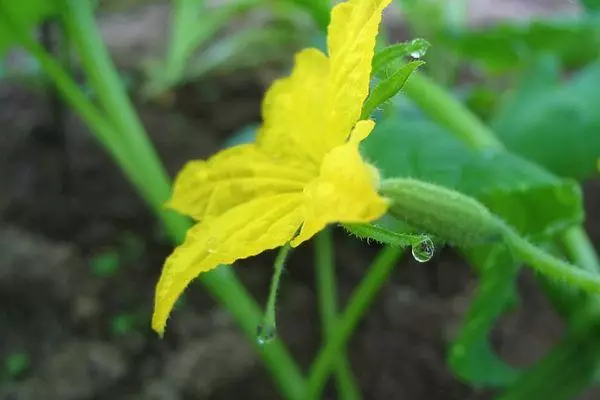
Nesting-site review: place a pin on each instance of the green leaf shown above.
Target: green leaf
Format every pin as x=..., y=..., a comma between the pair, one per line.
x=557, y=126
x=520, y=192
x=16, y=364
x=511, y=46
x=416, y=48
x=317, y=9
x=526, y=196
x=590, y=5
x=566, y=371
x=125, y=323
x=26, y=13
x=388, y=88
x=193, y=26
x=240, y=51
x=105, y=264
x=471, y=356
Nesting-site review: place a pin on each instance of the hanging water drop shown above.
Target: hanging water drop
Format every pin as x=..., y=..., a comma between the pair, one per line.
x=423, y=250
x=265, y=334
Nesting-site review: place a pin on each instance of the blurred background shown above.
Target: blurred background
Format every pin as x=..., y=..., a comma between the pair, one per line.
x=80, y=252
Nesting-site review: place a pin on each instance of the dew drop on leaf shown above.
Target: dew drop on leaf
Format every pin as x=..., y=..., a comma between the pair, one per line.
x=423, y=250
x=265, y=334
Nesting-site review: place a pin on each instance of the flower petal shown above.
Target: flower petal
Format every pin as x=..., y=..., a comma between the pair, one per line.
x=292, y=111
x=351, y=43
x=246, y=230
x=345, y=191
x=206, y=189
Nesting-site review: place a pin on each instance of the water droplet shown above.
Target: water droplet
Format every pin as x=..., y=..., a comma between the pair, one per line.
x=423, y=251
x=421, y=46
x=211, y=245
x=265, y=334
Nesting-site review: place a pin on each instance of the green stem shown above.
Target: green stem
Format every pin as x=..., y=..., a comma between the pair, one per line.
x=103, y=129
x=344, y=327
x=580, y=250
x=185, y=14
x=268, y=327
x=127, y=143
x=327, y=290
x=550, y=266
x=444, y=109
x=80, y=24
x=231, y=294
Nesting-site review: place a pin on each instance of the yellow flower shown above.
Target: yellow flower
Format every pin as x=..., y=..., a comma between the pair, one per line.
x=304, y=171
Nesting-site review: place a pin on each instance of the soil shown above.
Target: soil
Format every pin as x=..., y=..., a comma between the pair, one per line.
x=80, y=254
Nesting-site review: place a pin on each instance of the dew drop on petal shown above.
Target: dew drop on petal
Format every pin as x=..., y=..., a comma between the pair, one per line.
x=211, y=245
x=265, y=334
x=423, y=250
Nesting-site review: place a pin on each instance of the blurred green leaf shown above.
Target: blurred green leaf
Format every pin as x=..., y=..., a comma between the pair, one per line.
x=193, y=26
x=471, y=356
x=416, y=48
x=246, y=134
x=424, y=16
x=317, y=9
x=529, y=198
x=131, y=246
x=125, y=323
x=27, y=13
x=566, y=371
x=481, y=99
x=590, y=5
x=16, y=363
x=241, y=51
x=388, y=87
x=525, y=195
x=557, y=126
x=105, y=264
x=511, y=46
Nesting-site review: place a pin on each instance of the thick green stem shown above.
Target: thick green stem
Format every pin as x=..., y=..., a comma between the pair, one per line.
x=444, y=109
x=344, y=327
x=580, y=250
x=125, y=139
x=551, y=266
x=327, y=289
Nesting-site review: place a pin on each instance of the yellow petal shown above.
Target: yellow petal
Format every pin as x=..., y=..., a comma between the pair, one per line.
x=351, y=42
x=246, y=230
x=345, y=191
x=292, y=111
x=206, y=189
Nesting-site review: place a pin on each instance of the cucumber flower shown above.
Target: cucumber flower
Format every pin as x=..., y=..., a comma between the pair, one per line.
x=304, y=171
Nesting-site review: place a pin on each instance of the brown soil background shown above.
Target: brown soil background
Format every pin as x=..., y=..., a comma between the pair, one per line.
x=54, y=308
